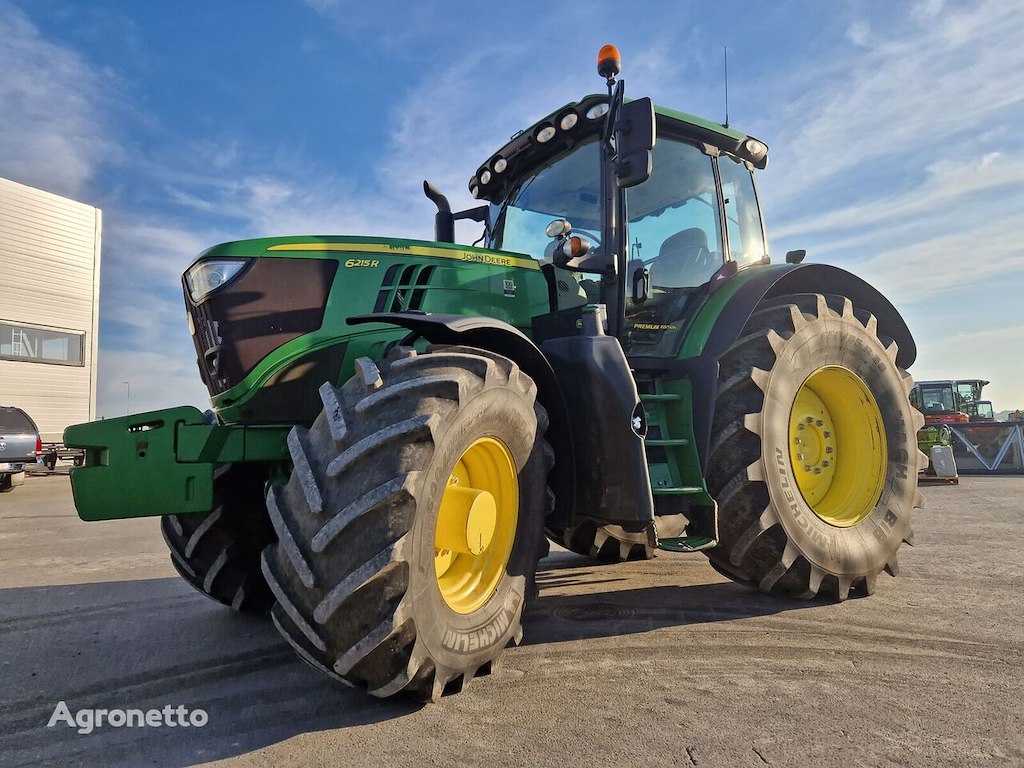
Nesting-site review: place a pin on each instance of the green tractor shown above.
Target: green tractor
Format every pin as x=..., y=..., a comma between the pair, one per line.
x=399, y=425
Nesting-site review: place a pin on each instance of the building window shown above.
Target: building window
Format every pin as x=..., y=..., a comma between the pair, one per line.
x=41, y=345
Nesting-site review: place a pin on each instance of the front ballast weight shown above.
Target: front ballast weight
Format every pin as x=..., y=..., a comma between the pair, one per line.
x=162, y=462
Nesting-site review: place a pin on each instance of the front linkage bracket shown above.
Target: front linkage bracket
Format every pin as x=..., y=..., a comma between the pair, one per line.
x=161, y=462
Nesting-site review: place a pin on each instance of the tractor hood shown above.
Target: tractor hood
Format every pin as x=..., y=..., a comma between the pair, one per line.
x=263, y=312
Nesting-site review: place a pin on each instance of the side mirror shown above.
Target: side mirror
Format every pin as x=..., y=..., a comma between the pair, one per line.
x=641, y=285
x=566, y=250
x=634, y=140
x=795, y=257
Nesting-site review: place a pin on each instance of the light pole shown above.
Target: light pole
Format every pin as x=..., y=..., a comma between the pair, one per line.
x=128, y=398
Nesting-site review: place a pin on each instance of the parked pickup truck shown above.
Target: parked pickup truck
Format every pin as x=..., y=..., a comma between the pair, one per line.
x=19, y=445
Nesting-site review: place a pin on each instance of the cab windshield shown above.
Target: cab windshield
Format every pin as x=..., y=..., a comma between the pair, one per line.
x=674, y=219
x=569, y=187
x=982, y=410
x=936, y=399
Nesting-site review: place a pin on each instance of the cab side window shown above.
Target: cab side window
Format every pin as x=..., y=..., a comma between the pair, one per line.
x=743, y=220
x=673, y=217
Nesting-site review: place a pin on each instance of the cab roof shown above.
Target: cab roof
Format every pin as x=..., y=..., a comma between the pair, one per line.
x=537, y=144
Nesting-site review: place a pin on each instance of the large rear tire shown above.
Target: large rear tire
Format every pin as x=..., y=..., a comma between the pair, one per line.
x=218, y=553
x=814, y=457
x=412, y=524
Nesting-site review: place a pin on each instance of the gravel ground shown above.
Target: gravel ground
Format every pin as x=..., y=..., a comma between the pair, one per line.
x=655, y=663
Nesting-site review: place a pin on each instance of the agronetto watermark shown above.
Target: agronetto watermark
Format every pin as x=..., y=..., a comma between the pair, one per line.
x=88, y=720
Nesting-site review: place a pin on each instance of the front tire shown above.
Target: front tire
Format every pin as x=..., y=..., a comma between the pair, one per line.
x=218, y=553
x=814, y=458
x=412, y=524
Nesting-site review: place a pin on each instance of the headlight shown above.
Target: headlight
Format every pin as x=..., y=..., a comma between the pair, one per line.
x=207, y=276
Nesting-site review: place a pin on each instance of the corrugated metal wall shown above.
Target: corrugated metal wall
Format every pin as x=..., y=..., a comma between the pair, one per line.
x=50, y=277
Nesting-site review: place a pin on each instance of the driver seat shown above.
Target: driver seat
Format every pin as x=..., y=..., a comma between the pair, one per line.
x=683, y=261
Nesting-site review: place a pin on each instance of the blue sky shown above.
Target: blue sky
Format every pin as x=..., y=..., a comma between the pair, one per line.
x=895, y=135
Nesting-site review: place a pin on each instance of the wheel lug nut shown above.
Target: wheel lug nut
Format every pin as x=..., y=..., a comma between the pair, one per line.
x=824, y=463
x=800, y=425
x=807, y=468
x=817, y=470
x=828, y=434
x=810, y=419
x=820, y=423
x=828, y=449
x=800, y=456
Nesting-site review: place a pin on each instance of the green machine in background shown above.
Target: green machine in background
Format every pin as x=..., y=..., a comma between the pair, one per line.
x=397, y=425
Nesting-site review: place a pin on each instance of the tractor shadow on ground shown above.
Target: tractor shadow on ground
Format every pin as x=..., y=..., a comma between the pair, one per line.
x=145, y=645
x=585, y=613
x=150, y=643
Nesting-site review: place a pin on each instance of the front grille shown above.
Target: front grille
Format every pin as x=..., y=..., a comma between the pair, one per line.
x=272, y=302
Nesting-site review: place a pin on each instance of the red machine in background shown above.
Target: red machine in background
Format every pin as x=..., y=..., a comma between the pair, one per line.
x=981, y=445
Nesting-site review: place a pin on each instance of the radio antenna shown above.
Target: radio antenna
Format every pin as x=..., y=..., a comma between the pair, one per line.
x=725, y=54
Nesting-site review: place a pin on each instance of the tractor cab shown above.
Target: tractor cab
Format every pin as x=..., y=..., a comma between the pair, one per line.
x=969, y=390
x=980, y=410
x=646, y=226
x=939, y=401
x=951, y=401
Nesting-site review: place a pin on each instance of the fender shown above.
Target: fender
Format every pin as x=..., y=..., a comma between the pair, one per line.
x=497, y=336
x=702, y=350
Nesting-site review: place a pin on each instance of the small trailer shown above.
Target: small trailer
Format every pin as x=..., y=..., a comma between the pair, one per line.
x=51, y=453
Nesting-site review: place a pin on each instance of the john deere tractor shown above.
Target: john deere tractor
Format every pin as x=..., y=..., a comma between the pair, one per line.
x=397, y=425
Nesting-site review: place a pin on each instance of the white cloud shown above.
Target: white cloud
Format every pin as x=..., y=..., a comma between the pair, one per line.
x=947, y=263
x=948, y=183
x=918, y=88
x=926, y=11
x=906, y=166
x=859, y=33
x=55, y=134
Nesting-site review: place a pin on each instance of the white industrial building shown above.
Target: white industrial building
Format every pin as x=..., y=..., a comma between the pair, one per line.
x=49, y=306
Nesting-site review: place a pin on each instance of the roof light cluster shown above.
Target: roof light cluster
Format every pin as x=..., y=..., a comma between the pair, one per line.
x=563, y=123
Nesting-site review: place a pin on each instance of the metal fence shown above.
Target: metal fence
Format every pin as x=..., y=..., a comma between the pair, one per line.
x=989, y=447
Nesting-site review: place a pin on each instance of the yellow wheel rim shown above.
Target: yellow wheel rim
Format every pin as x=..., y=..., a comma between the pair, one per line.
x=837, y=446
x=476, y=525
